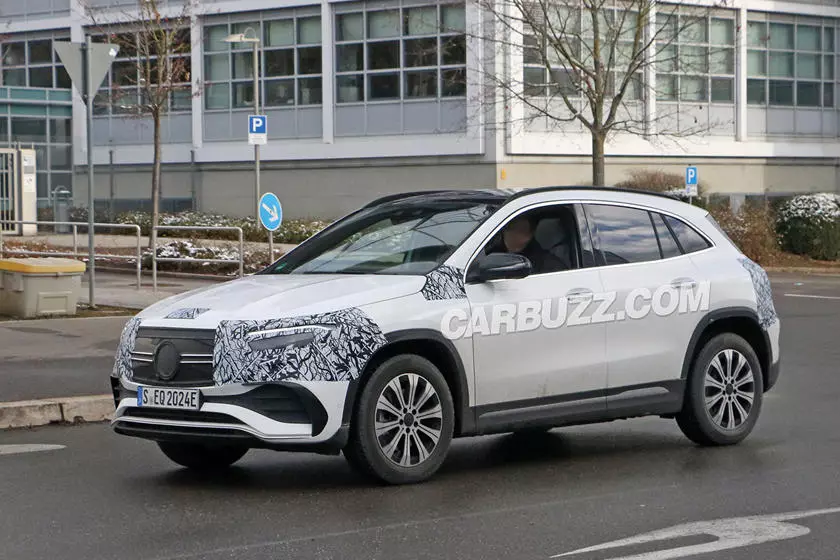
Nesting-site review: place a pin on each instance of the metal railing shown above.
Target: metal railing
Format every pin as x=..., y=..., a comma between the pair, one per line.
x=156, y=259
x=138, y=256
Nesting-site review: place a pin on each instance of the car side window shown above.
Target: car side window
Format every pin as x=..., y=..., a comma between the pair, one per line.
x=548, y=236
x=688, y=238
x=622, y=235
x=666, y=240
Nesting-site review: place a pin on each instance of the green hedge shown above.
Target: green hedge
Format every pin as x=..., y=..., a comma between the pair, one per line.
x=810, y=225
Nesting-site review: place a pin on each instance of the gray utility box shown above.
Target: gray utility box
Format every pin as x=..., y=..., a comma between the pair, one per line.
x=38, y=287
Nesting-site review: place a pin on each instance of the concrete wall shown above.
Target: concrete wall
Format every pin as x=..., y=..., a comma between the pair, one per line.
x=132, y=183
x=742, y=176
x=330, y=190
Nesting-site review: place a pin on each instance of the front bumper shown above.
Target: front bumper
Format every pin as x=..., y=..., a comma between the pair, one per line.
x=300, y=415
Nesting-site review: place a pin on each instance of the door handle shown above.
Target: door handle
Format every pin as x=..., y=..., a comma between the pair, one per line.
x=683, y=283
x=579, y=295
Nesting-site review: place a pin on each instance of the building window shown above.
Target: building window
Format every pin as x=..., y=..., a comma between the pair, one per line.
x=32, y=62
x=124, y=91
x=790, y=63
x=401, y=53
x=289, y=65
x=695, y=58
x=547, y=72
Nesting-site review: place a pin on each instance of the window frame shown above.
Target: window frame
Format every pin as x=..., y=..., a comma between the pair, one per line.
x=365, y=73
x=824, y=84
x=682, y=70
x=650, y=210
x=576, y=211
x=232, y=84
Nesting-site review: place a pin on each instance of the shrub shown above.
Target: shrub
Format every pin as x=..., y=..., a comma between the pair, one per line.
x=810, y=225
x=661, y=182
x=290, y=231
x=752, y=229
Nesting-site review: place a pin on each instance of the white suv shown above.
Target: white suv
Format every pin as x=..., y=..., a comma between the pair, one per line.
x=427, y=316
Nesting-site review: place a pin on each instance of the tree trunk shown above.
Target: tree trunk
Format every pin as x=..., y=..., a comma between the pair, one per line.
x=598, y=173
x=155, y=175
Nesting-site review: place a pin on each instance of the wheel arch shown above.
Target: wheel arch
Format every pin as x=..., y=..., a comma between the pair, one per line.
x=436, y=348
x=742, y=321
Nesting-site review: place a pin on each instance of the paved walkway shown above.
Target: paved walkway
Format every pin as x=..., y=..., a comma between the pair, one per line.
x=120, y=290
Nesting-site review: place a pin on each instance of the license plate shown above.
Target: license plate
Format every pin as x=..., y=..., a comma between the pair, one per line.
x=159, y=397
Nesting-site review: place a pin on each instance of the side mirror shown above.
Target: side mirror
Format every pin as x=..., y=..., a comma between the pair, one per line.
x=499, y=266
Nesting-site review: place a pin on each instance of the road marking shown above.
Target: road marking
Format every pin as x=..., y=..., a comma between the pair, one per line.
x=28, y=448
x=812, y=296
x=731, y=533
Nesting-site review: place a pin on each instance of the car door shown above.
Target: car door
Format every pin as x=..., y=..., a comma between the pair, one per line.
x=534, y=344
x=657, y=302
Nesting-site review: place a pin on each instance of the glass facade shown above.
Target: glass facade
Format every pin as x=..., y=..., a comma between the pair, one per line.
x=400, y=53
x=695, y=57
x=289, y=62
x=791, y=63
x=42, y=120
x=29, y=60
x=123, y=92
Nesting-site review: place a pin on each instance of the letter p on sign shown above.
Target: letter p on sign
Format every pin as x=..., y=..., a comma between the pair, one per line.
x=257, y=129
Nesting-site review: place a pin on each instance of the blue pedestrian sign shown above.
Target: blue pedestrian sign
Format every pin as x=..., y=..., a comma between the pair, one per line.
x=257, y=129
x=271, y=212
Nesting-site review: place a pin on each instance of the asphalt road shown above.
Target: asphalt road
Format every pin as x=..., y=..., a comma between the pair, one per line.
x=106, y=497
x=57, y=357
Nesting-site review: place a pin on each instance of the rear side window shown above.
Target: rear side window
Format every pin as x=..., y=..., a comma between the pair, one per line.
x=688, y=238
x=622, y=235
x=666, y=240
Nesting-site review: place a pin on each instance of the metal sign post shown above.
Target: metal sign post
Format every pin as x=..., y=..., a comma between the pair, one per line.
x=87, y=64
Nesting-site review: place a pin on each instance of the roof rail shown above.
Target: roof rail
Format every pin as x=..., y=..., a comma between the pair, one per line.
x=528, y=191
x=400, y=196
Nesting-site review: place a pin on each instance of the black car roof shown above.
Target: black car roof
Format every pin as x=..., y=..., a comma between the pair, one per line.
x=499, y=196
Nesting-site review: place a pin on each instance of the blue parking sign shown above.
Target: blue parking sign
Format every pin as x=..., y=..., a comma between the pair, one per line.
x=257, y=124
x=690, y=176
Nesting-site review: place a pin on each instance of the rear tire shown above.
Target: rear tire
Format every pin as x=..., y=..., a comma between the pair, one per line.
x=202, y=457
x=404, y=422
x=724, y=393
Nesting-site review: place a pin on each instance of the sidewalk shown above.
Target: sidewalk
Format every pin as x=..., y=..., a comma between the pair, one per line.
x=57, y=370
x=120, y=290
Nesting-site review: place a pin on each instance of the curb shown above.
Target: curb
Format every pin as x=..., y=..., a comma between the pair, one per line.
x=73, y=410
x=804, y=270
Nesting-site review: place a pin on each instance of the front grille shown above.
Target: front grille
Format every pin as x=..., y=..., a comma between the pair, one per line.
x=180, y=415
x=195, y=347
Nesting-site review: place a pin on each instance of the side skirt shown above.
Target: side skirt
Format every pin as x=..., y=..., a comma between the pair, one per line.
x=652, y=399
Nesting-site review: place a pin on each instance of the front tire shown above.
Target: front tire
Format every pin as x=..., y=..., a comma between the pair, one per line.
x=202, y=457
x=724, y=393
x=404, y=422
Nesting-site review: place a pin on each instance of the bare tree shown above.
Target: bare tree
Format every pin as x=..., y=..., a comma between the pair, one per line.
x=158, y=72
x=587, y=61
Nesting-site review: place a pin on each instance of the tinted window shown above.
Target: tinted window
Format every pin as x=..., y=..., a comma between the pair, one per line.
x=666, y=240
x=623, y=235
x=690, y=240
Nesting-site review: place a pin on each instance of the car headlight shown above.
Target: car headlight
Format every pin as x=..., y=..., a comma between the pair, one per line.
x=276, y=339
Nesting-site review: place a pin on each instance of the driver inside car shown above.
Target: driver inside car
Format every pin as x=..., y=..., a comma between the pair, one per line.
x=518, y=237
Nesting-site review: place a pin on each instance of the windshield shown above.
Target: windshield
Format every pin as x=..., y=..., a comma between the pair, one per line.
x=395, y=238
